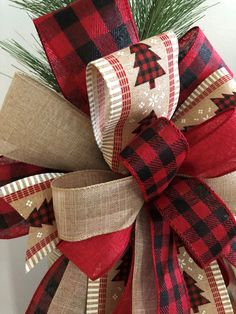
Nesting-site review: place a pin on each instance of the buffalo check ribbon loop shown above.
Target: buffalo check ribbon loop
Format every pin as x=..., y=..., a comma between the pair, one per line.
x=182, y=205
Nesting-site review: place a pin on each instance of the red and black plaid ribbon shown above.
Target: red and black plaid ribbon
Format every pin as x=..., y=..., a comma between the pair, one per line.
x=155, y=156
x=197, y=60
x=84, y=31
x=12, y=170
x=172, y=295
x=47, y=288
x=198, y=216
x=185, y=205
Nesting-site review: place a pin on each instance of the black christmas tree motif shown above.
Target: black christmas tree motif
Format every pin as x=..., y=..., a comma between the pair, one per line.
x=44, y=215
x=196, y=299
x=144, y=123
x=147, y=62
x=225, y=102
x=124, y=267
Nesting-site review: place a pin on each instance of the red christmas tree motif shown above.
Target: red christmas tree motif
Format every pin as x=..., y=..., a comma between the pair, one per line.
x=196, y=299
x=147, y=61
x=124, y=267
x=228, y=101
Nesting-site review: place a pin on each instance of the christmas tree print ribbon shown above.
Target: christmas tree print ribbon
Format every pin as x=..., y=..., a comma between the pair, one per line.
x=107, y=206
x=26, y=208
x=126, y=86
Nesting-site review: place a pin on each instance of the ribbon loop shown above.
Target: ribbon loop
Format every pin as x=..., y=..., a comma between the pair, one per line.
x=125, y=86
x=205, y=159
x=80, y=33
x=155, y=156
x=91, y=203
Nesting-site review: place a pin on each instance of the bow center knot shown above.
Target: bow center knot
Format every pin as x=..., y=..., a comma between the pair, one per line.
x=155, y=155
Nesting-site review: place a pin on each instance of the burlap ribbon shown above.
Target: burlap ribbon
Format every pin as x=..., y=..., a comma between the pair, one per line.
x=97, y=206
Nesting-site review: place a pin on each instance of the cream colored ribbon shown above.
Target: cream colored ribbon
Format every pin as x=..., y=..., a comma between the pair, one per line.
x=40, y=127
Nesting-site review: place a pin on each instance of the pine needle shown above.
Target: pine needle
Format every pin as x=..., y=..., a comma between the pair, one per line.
x=37, y=8
x=154, y=17
x=36, y=63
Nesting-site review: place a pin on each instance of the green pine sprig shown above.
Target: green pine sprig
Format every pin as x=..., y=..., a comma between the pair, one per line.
x=157, y=16
x=37, y=8
x=151, y=17
x=36, y=63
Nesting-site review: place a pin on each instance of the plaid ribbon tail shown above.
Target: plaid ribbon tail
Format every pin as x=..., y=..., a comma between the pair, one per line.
x=47, y=288
x=200, y=218
x=172, y=294
x=230, y=252
x=12, y=170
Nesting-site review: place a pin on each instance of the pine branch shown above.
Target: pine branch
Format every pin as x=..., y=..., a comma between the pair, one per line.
x=37, y=8
x=36, y=63
x=157, y=16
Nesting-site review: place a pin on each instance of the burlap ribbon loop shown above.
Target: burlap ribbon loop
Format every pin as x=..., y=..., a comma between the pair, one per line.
x=90, y=203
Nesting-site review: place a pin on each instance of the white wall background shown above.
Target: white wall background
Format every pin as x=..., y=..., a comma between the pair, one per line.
x=16, y=288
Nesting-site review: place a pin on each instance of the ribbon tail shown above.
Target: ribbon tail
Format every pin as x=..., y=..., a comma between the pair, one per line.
x=46, y=290
x=199, y=217
x=95, y=256
x=71, y=293
x=125, y=304
x=230, y=252
x=172, y=295
x=144, y=299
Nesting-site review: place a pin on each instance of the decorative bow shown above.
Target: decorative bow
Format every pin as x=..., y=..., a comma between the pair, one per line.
x=98, y=212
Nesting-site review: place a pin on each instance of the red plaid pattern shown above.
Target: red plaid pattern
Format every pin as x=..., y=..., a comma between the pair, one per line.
x=154, y=157
x=82, y=32
x=12, y=225
x=172, y=295
x=44, y=215
x=47, y=288
x=198, y=216
x=230, y=252
x=197, y=60
x=147, y=62
x=225, y=102
x=12, y=170
x=186, y=205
